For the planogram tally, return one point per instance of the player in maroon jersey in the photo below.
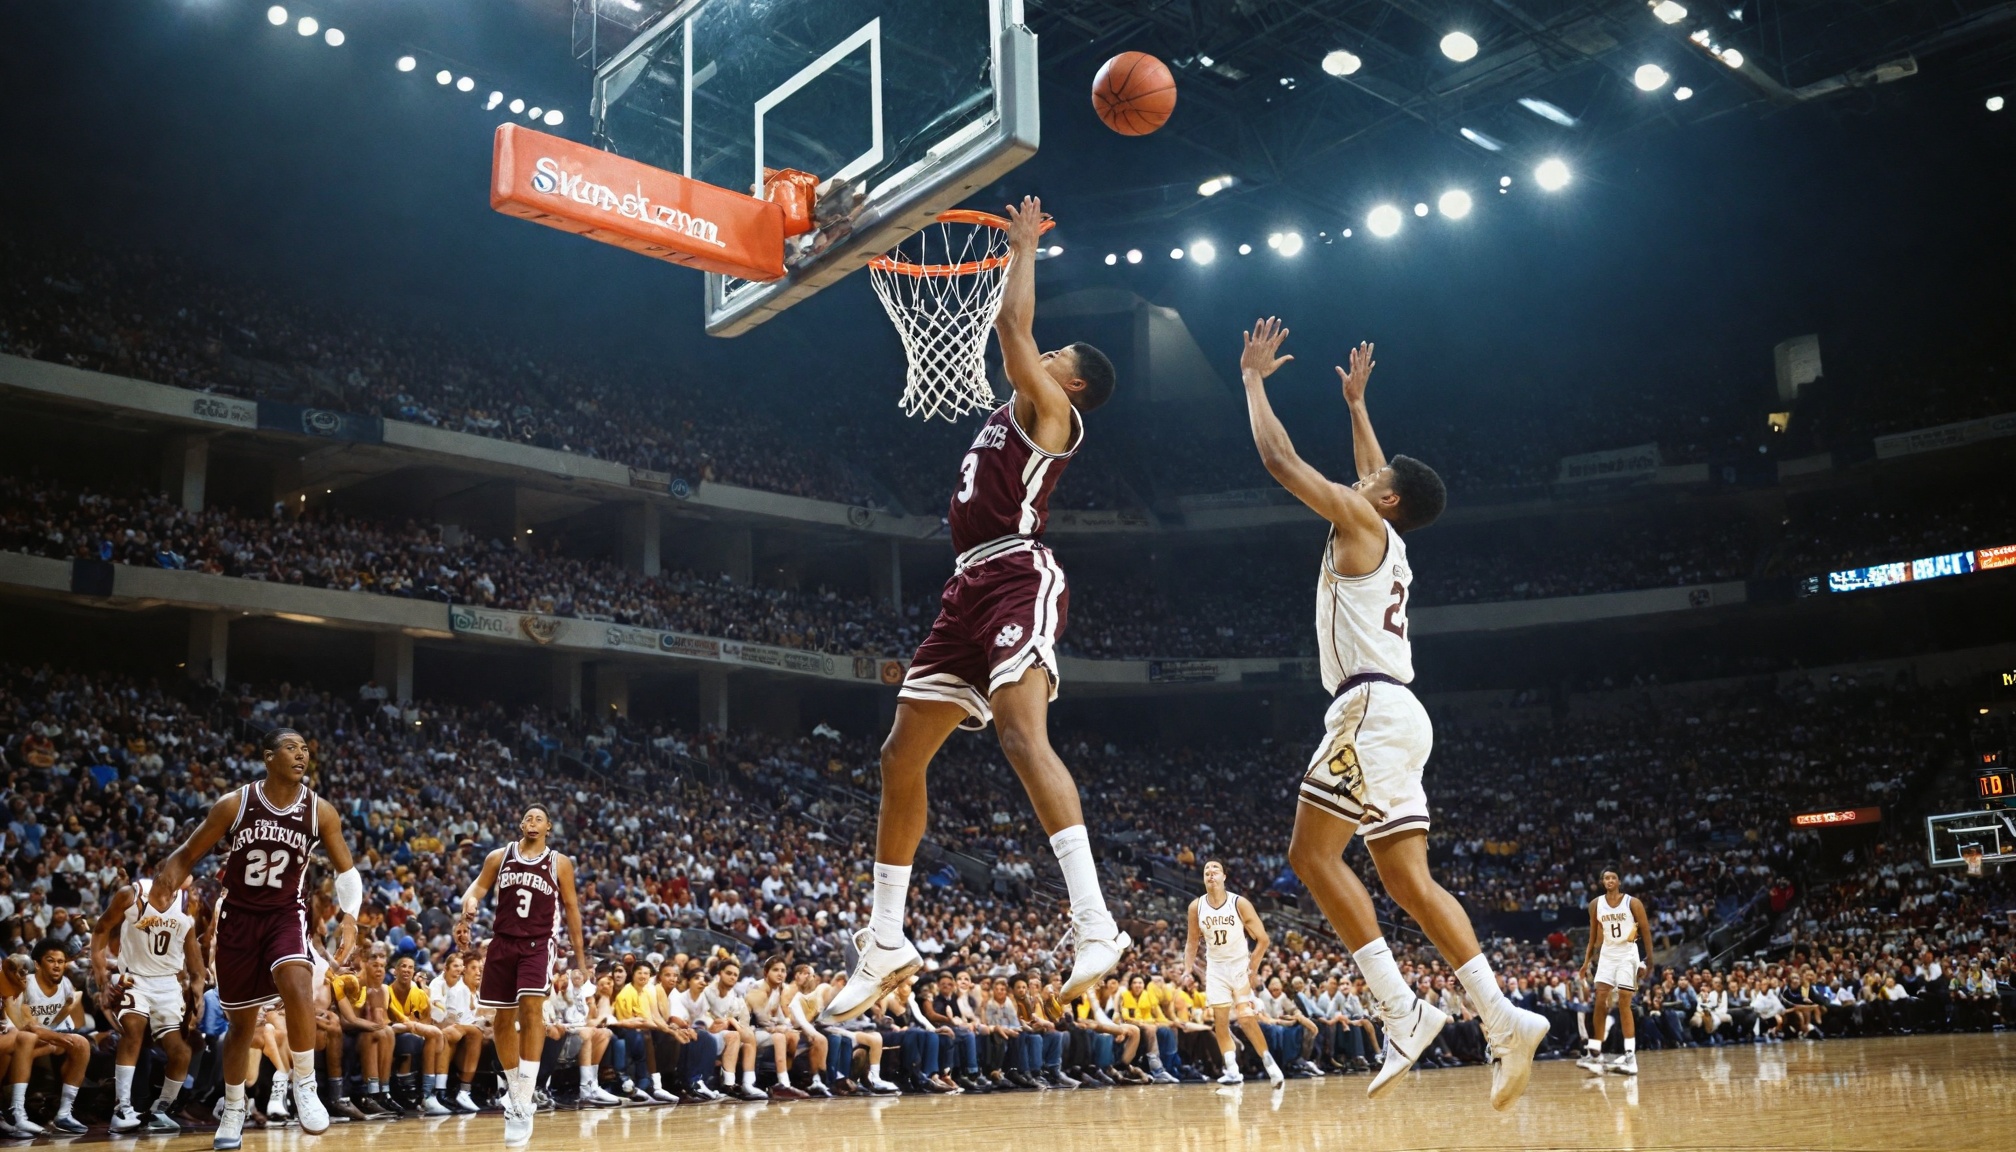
(533, 883)
(262, 921)
(992, 652)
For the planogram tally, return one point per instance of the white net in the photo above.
(942, 289)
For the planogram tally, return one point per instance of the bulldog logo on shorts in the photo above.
(1346, 776)
(1009, 636)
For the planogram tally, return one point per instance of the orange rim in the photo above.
(901, 267)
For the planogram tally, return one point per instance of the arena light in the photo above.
(333, 37)
(308, 26)
(1731, 57)
(1175, 253)
(1133, 255)
(517, 106)
(444, 77)
(1683, 93)
(1112, 258)
(1384, 221)
(1546, 111)
(1455, 204)
(1347, 233)
(1215, 185)
(554, 116)
(1668, 12)
(1650, 77)
(1420, 209)
(276, 16)
(534, 113)
(465, 84)
(1504, 181)
(1339, 63)
(407, 64)
(1552, 174)
(1994, 103)
(1488, 143)
(496, 98)
(1459, 46)
(1245, 249)
(1203, 251)
(1291, 243)
(1055, 249)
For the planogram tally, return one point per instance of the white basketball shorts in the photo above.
(1368, 769)
(159, 998)
(1228, 986)
(1618, 970)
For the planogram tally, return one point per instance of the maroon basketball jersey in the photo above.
(1005, 482)
(528, 895)
(266, 853)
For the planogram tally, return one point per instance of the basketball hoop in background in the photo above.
(1970, 854)
(942, 289)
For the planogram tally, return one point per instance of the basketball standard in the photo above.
(900, 108)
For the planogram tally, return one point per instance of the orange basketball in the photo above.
(1134, 93)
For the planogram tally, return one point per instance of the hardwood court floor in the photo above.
(1938, 1093)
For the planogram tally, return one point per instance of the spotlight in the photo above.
(1384, 221)
(1245, 249)
(1338, 62)
(1732, 58)
(444, 77)
(1055, 249)
(1420, 209)
(516, 106)
(1347, 233)
(1546, 111)
(1206, 61)
(554, 116)
(1291, 243)
(1274, 241)
(276, 16)
(407, 63)
(1994, 103)
(496, 98)
(1504, 181)
(1175, 253)
(1133, 255)
(333, 37)
(308, 26)
(1683, 93)
(1203, 251)
(1459, 46)
(1552, 174)
(534, 112)
(1288, 82)
(1215, 185)
(1488, 143)
(1650, 77)
(1455, 204)
(465, 84)
(1668, 12)
(1111, 259)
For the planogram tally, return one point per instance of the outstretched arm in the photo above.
(174, 870)
(1335, 502)
(1364, 445)
(1042, 407)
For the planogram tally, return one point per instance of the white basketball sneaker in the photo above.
(1512, 1057)
(876, 974)
(1591, 1062)
(1231, 1076)
(230, 1127)
(1628, 1064)
(1092, 961)
(1406, 1039)
(309, 1109)
(517, 1120)
(125, 1119)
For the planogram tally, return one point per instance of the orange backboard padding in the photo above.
(602, 196)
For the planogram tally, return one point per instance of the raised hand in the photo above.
(1025, 224)
(1360, 374)
(1263, 342)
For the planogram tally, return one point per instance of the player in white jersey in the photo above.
(150, 996)
(50, 1009)
(1222, 921)
(1366, 776)
(1616, 923)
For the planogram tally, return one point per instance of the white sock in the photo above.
(1081, 876)
(657, 1082)
(69, 1098)
(1485, 995)
(1231, 1059)
(372, 1087)
(233, 1094)
(122, 1081)
(439, 1082)
(170, 1089)
(1595, 1046)
(892, 889)
(1267, 1059)
(749, 1077)
(1630, 1045)
(588, 1076)
(304, 1068)
(1383, 979)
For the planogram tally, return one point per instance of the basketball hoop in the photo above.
(1971, 855)
(942, 289)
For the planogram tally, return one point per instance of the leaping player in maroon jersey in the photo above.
(262, 918)
(533, 884)
(992, 652)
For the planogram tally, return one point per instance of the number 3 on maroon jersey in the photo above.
(1396, 612)
(967, 467)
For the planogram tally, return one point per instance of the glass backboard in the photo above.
(1992, 831)
(902, 108)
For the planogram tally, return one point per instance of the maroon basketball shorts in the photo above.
(997, 619)
(250, 945)
(516, 967)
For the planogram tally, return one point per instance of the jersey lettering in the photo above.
(1005, 483)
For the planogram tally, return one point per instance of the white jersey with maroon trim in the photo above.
(151, 943)
(1361, 621)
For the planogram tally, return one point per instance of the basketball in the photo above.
(1134, 93)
